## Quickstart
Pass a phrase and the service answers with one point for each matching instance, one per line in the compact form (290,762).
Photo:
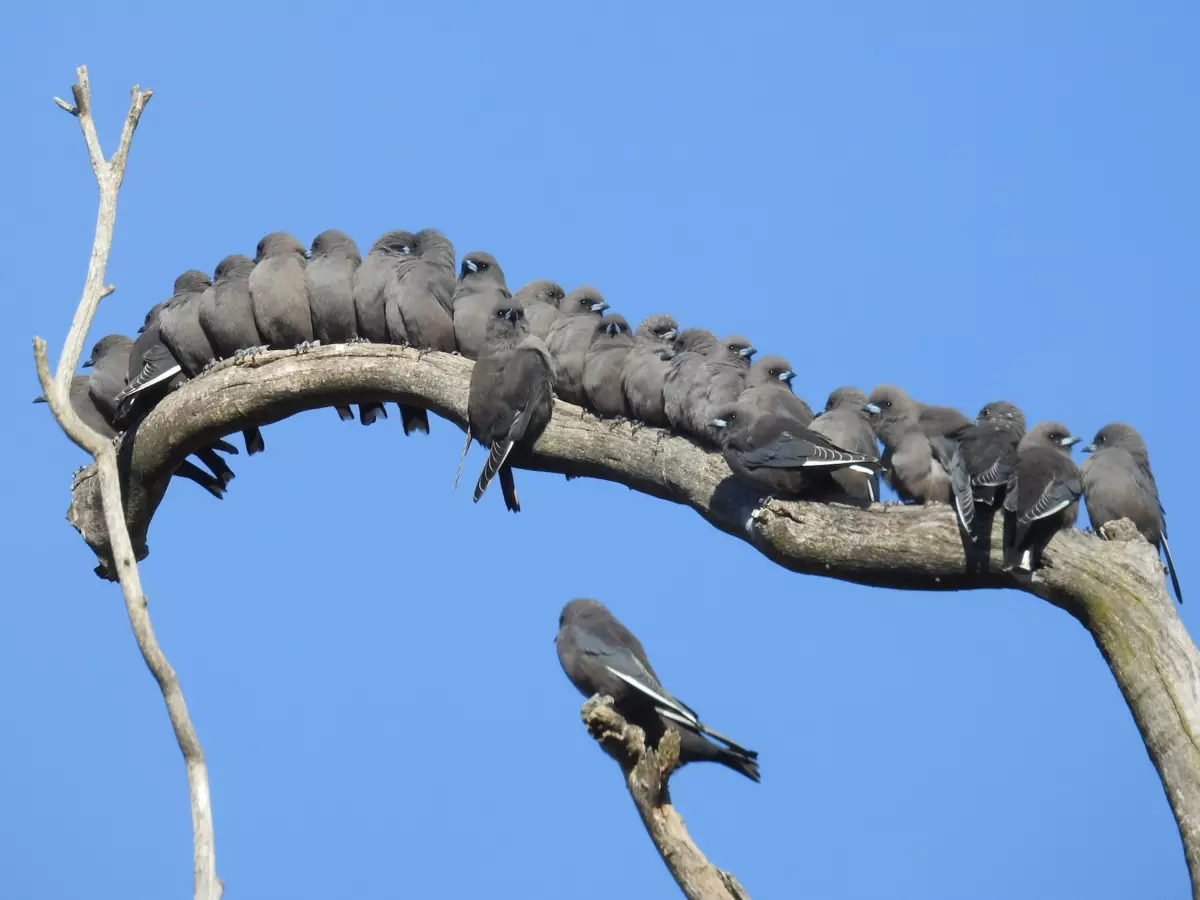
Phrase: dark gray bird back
(279,292)
(1043,493)
(846,424)
(330,271)
(110,370)
(370,279)
(612,342)
(571,336)
(646,367)
(225,311)
(179,325)
(984,460)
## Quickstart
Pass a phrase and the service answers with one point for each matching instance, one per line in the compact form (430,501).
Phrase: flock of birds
(544,341)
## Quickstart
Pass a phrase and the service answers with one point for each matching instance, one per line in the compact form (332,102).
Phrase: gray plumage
(333,259)
(511,398)
(984,460)
(85,407)
(602,366)
(646,368)
(279,292)
(540,300)
(685,373)
(846,424)
(779,456)
(372,276)
(716,379)
(569,339)
(942,425)
(179,326)
(601,656)
(1043,493)
(225,311)
(1119,484)
(911,466)
(480,287)
(769,390)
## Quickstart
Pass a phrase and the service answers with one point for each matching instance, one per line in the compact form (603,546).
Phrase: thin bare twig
(647,770)
(109,175)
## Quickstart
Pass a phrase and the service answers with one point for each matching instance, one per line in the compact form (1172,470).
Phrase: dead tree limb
(109,175)
(647,770)
(1114,588)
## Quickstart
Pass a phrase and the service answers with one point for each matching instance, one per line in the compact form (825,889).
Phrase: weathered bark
(1114,588)
(647,771)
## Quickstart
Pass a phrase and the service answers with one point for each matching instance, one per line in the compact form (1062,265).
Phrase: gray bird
(179,326)
(769,390)
(511,398)
(225,311)
(333,260)
(911,465)
(601,656)
(612,342)
(434,247)
(717,382)
(646,369)
(687,371)
(984,460)
(1043,493)
(942,425)
(779,456)
(540,300)
(480,287)
(569,339)
(846,424)
(279,293)
(1118,484)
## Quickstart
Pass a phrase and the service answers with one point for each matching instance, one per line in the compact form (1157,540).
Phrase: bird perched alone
(769,390)
(911,465)
(847,425)
(779,456)
(601,656)
(611,343)
(569,339)
(1118,484)
(332,261)
(539,300)
(984,460)
(511,398)
(480,287)
(646,368)
(1043,493)
(279,293)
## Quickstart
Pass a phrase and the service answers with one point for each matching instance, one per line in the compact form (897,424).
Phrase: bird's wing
(800,448)
(964,499)
(1060,492)
(533,370)
(158,365)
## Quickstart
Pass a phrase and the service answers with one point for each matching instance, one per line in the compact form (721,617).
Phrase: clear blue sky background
(974,204)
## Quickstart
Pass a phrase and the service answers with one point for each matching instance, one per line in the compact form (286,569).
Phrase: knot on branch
(648,767)
(1120,530)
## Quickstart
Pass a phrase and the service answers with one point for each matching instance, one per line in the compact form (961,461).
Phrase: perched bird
(779,456)
(511,398)
(601,656)
(687,373)
(1118,484)
(153,369)
(646,369)
(333,260)
(1043,493)
(179,327)
(569,339)
(370,279)
(984,460)
(434,247)
(109,362)
(279,293)
(718,381)
(846,424)
(480,287)
(769,390)
(942,425)
(225,311)
(602,366)
(540,300)
(911,466)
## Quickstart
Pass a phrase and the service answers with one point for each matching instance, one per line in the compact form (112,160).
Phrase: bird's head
(1054,435)
(583,301)
(1119,436)
(770,370)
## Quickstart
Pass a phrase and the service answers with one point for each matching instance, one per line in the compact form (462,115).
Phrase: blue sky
(974,203)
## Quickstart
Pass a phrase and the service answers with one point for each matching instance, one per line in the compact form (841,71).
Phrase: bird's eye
(984,413)
(773,372)
(585,302)
(887,404)
(499,314)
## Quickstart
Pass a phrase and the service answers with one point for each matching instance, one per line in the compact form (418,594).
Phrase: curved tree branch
(107,473)
(647,771)
(1114,588)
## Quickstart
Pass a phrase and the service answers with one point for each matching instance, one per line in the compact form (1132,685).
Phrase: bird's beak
(612,328)
(719,423)
(670,335)
(142,330)
(1070,441)
(1090,448)
(872,408)
(599,307)
(786,377)
(469,266)
(747,352)
(40,398)
(512,315)
(668,354)
(308,254)
(88,363)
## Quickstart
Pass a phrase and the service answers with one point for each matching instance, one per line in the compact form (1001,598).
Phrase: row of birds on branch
(544,341)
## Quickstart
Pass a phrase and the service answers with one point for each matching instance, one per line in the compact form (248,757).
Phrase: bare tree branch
(647,771)
(1114,588)
(109,175)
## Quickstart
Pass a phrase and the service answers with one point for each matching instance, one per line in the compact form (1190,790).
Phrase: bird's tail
(370,413)
(964,497)
(739,762)
(224,447)
(413,418)
(509,488)
(495,461)
(254,440)
(193,472)
(209,457)
(344,413)
(1171,569)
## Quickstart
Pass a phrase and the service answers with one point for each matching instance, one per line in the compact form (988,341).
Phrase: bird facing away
(1043,493)
(179,325)
(539,300)
(1118,484)
(984,460)
(370,279)
(777,455)
(611,343)
(279,292)
(511,398)
(332,261)
(846,424)
(570,337)
(910,464)
(601,656)
(717,381)
(769,390)
(480,287)
(646,367)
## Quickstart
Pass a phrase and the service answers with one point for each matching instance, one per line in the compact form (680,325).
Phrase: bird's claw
(305,346)
(250,352)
